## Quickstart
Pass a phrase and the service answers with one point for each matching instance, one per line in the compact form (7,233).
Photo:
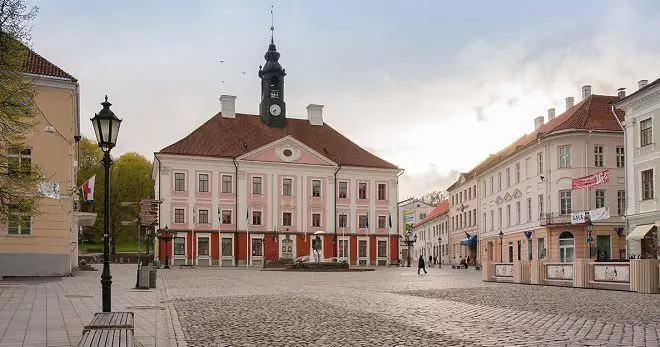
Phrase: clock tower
(272,107)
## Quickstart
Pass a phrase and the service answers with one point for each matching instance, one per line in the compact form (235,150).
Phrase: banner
(409,216)
(591,180)
(597,214)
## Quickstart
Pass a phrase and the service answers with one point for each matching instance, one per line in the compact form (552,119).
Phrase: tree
(19,177)
(434,197)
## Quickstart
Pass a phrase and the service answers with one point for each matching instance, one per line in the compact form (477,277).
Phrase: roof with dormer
(232,137)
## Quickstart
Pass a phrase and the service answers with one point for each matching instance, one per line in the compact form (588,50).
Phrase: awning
(640,231)
(472,241)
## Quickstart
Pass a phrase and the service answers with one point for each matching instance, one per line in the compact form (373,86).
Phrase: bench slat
(107,320)
(107,337)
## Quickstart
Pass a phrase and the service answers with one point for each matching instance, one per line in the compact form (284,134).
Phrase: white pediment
(287,150)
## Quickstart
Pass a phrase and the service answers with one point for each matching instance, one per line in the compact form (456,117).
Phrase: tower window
(274,94)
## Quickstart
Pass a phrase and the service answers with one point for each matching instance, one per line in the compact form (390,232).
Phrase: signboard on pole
(597,214)
(148,215)
(591,180)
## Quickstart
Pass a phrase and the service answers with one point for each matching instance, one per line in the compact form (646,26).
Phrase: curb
(175,336)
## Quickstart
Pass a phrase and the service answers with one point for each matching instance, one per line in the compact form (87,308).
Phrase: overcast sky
(431,86)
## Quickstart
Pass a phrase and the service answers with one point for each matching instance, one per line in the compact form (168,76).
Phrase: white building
(431,235)
(409,212)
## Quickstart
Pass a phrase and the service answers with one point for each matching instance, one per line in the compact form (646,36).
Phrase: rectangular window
(382,222)
(492,185)
(529,209)
(647,184)
(18,223)
(203,183)
(565,202)
(519,249)
(508,177)
(256,217)
(510,252)
(492,220)
(286,219)
(343,249)
(316,188)
(343,220)
(316,220)
(362,248)
(600,198)
(227,247)
(256,185)
(518,212)
(529,249)
(179,216)
(517,173)
(226,184)
(362,221)
(381,192)
(203,217)
(539,163)
(483,188)
(343,190)
(598,156)
(287,187)
(19,162)
(180,246)
(362,190)
(499,217)
(540,248)
(469,196)
(508,215)
(645,132)
(474,216)
(382,249)
(226,217)
(483,221)
(179,182)
(564,156)
(203,246)
(540,203)
(499,181)
(621,202)
(620,157)
(257,247)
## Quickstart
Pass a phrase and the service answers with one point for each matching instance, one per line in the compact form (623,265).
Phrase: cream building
(642,108)
(46,244)
(410,212)
(463,212)
(526,192)
(432,235)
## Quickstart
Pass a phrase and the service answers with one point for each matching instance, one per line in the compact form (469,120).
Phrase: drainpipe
(625,175)
(236,216)
(398,234)
(334,251)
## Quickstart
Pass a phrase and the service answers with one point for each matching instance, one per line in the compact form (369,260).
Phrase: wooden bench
(109,329)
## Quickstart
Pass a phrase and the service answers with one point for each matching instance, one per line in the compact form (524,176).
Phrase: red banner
(591,180)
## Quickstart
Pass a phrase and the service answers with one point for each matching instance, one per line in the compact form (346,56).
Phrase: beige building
(46,244)
(463,212)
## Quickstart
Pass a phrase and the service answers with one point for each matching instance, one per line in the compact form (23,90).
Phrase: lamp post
(439,252)
(167,235)
(590,227)
(501,234)
(409,243)
(106,127)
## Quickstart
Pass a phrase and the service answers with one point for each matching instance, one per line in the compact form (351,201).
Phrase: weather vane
(272,24)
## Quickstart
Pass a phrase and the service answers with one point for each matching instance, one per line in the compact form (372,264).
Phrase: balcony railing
(555,218)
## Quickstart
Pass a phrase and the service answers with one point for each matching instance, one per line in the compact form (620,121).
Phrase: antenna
(272,24)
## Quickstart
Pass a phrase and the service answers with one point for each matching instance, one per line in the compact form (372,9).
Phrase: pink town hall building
(243,189)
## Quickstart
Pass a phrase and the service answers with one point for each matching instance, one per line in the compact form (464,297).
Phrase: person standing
(420,265)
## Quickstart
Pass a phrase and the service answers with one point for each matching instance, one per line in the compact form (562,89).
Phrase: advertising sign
(409,216)
(597,214)
(591,180)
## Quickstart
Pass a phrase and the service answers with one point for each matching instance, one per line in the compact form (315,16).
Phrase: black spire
(272,106)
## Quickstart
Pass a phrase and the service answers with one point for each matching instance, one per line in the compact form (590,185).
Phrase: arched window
(566,246)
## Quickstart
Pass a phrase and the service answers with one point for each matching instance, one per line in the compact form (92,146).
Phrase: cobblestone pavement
(395,306)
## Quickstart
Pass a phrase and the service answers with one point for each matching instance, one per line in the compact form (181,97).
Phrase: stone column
(487,271)
(536,272)
(644,275)
(581,273)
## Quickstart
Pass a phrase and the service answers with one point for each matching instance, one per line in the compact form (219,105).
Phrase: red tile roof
(592,113)
(39,65)
(232,137)
(443,207)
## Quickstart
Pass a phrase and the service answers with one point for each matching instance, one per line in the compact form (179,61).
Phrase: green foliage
(434,197)
(19,178)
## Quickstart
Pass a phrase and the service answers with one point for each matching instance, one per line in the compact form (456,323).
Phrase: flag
(389,218)
(88,189)
(247,217)
(366,223)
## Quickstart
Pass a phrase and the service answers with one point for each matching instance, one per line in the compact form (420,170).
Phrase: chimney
(315,114)
(551,114)
(538,122)
(621,93)
(228,106)
(569,102)
(586,91)
(642,83)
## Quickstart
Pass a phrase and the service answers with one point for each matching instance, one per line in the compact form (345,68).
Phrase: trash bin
(152,277)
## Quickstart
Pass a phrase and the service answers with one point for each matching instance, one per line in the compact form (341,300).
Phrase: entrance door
(287,248)
(203,254)
(362,253)
(603,244)
(566,247)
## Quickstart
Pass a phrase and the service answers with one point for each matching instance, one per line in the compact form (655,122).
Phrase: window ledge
(17,235)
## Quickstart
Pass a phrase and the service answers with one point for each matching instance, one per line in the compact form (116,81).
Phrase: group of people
(432,260)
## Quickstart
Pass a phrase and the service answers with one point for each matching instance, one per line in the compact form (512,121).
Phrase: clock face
(275,110)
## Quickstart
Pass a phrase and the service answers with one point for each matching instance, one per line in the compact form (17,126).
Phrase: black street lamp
(408,241)
(590,228)
(439,252)
(167,235)
(501,234)
(106,126)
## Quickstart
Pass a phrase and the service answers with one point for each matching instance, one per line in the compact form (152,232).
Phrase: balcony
(552,218)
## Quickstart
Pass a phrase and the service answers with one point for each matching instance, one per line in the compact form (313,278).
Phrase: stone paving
(395,306)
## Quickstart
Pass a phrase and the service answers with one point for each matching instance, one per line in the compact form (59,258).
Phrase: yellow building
(47,244)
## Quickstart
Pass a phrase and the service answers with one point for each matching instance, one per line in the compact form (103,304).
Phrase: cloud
(417,184)
(481,117)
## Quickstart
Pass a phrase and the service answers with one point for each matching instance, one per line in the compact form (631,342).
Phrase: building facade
(432,235)
(642,108)
(526,189)
(463,212)
(46,244)
(410,212)
(243,189)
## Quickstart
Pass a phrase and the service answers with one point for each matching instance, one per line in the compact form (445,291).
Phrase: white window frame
(222,184)
(603,197)
(284,192)
(539,163)
(208,182)
(320,188)
(185,186)
(569,204)
(620,157)
(565,158)
(599,156)
(261,185)
(231,216)
(19,224)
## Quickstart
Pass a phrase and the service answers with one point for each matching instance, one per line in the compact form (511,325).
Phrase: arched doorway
(566,246)
(287,247)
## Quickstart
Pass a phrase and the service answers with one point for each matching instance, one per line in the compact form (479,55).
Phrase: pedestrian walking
(430,260)
(420,265)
